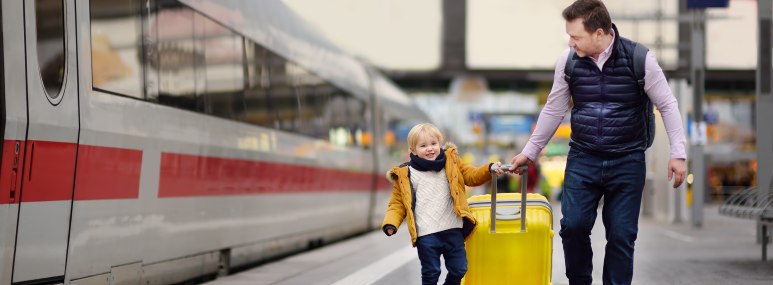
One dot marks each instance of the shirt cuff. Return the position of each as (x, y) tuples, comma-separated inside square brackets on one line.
[(531, 151)]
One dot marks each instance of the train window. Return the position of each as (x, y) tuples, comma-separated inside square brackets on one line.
[(313, 93), (256, 107), (346, 117), (282, 96), (177, 59), (49, 22), (222, 68), (184, 59), (116, 63)]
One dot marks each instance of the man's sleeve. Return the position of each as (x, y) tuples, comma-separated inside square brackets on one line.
[(656, 86), (552, 114)]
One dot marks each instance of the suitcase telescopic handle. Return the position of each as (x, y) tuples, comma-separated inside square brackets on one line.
[(524, 177)]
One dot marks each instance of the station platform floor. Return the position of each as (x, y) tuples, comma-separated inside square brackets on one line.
[(722, 251)]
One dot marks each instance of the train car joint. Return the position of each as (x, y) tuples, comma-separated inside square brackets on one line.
[(225, 262)]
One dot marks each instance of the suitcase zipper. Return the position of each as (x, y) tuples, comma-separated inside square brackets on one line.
[(532, 202)]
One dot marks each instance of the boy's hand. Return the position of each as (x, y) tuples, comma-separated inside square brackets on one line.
[(496, 168), (389, 230)]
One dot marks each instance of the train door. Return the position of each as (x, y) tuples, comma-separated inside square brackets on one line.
[(52, 135)]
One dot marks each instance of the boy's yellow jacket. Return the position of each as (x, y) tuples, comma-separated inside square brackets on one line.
[(459, 174)]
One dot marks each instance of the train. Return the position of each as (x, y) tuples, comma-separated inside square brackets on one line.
[(164, 141)]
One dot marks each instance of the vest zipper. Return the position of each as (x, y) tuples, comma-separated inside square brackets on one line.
[(603, 106)]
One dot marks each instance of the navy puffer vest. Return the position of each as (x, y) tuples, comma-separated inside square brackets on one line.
[(608, 113)]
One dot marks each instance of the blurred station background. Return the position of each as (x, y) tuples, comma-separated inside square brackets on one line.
[(181, 141)]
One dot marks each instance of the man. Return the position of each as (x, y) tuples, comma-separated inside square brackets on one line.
[(606, 156)]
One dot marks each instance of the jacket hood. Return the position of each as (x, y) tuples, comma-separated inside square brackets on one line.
[(391, 174)]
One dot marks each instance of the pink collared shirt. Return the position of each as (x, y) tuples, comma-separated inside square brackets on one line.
[(655, 84)]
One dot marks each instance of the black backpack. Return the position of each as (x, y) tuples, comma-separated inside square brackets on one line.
[(639, 57)]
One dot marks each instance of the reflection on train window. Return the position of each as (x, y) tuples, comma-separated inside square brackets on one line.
[(49, 22), (115, 43), (346, 116), (282, 98), (197, 62), (255, 110), (177, 59), (313, 94), (220, 74)]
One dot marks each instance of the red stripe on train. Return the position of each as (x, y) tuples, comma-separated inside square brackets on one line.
[(114, 173), (48, 171), (103, 172), (189, 175), (107, 173)]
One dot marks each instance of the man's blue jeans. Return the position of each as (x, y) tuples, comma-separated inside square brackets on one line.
[(449, 243), (588, 178)]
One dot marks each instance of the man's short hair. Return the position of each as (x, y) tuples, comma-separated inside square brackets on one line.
[(420, 129), (593, 13)]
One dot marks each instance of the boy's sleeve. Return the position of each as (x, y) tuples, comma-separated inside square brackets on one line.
[(396, 210), (473, 176)]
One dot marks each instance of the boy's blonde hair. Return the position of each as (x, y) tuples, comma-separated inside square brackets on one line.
[(424, 128)]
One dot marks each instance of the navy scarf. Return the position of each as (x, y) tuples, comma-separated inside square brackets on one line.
[(421, 164)]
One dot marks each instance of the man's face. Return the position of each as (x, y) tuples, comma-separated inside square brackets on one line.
[(584, 43)]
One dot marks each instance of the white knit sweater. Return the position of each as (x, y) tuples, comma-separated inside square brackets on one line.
[(434, 207)]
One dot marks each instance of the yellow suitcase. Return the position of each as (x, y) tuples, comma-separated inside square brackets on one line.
[(508, 251)]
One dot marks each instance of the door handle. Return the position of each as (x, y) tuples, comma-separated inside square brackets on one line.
[(32, 155)]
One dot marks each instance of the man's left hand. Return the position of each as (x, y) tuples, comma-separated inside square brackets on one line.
[(677, 169)]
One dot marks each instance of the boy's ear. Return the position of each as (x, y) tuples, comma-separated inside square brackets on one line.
[(412, 151)]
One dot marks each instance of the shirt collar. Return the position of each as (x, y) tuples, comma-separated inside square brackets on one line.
[(608, 50)]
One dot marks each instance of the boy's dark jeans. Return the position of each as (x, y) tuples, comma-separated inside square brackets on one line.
[(450, 244), (620, 180)]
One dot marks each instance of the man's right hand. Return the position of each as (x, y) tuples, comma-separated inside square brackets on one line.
[(518, 161)]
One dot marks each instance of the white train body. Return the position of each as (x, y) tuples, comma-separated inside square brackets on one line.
[(124, 163)]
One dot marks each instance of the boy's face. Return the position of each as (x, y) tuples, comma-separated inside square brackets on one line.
[(427, 147)]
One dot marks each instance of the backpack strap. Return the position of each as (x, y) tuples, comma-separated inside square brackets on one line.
[(639, 58), (569, 67)]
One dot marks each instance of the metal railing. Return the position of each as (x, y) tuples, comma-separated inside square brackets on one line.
[(750, 204)]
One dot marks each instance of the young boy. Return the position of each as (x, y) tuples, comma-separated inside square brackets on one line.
[(429, 191)]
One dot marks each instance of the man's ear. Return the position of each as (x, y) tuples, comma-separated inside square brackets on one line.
[(599, 32)]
